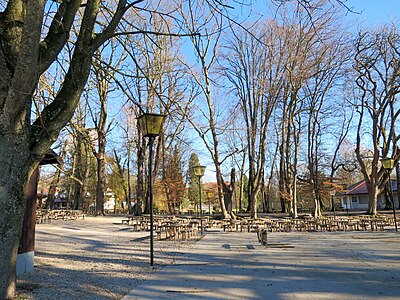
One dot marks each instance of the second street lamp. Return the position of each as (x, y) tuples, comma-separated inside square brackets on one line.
[(199, 172), (150, 125), (332, 193), (388, 164)]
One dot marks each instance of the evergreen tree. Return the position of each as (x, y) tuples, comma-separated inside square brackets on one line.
[(174, 181)]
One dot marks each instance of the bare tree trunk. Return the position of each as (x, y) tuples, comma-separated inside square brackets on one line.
[(101, 174), (294, 179), (398, 184), (220, 183), (228, 191), (13, 185), (241, 188), (283, 151), (373, 191), (271, 176), (125, 183)]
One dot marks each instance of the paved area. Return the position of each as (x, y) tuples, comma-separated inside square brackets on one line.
[(317, 265)]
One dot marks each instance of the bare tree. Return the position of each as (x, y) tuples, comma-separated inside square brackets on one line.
[(255, 68), (377, 68), (125, 157), (197, 18), (314, 62), (338, 160), (107, 60), (157, 85)]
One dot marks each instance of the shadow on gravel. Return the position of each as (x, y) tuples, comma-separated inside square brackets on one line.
[(279, 246), (141, 239)]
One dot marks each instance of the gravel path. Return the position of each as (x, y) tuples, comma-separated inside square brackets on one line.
[(96, 258)]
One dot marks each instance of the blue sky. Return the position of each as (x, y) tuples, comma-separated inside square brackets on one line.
[(374, 12)]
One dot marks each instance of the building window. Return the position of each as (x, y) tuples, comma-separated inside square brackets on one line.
[(353, 199)]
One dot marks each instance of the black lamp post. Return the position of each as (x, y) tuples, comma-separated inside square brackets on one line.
[(388, 164), (199, 172), (150, 126)]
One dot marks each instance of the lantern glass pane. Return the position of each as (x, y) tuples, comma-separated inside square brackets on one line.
[(387, 163), (150, 124), (199, 170)]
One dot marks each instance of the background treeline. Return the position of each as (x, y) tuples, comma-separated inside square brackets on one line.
[(284, 109)]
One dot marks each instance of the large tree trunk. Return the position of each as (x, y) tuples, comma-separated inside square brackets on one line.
[(398, 184), (101, 170), (282, 164), (125, 183), (228, 191), (82, 171), (373, 191), (282, 181), (82, 189), (253, 201), (23, 146), (221, 183), (15, 172), (101, 173), (241, 187)]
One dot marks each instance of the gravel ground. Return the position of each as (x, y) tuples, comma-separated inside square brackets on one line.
[(96, 258)]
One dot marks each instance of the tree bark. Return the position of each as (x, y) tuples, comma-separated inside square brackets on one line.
[(13, 196), (228, 191), (398, 184)]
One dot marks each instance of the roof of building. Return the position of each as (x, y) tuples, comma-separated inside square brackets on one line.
[(361, 188), (51, 158), (357, 188)]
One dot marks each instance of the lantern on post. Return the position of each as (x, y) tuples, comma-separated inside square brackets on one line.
[(332, 193), (150, 125), (199, 172), (388, 164)]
